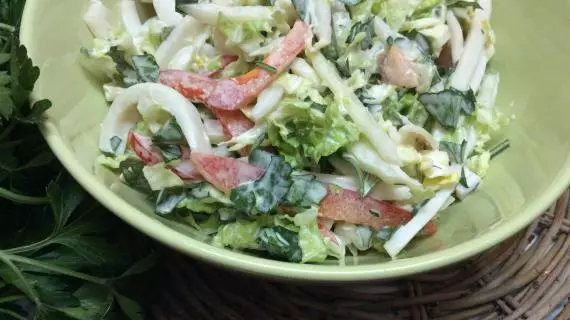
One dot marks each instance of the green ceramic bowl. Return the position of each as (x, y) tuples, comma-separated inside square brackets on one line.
[(532, 56)]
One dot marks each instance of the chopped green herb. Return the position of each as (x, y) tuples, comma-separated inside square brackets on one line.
[(132, 173), (265, 66), (143, 68), (146, 68), (305, 191), (448, 105), (280, 243), (374, 213), (170, 152), (169, 133), (168, 199), (500, 148), (463, 178), (263, 195), (453, 149), (362, 27), (115, 143), (166, 33)]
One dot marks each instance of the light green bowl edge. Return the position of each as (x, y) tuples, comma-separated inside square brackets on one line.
[(283, 270)]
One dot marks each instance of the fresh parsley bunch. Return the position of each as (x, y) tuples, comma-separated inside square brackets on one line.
[(61, 255)]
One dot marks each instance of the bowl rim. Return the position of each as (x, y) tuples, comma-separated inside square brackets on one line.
[(277, 269)]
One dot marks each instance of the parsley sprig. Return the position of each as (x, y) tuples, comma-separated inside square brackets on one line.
[(61, 255)]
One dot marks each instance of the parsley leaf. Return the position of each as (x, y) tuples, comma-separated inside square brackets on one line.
[(448, 105), (280, 243), (362, 31), (61, 254), (168, 139), (142, 68), (265, 194), (455, 151), (463, 178), (278, 185)]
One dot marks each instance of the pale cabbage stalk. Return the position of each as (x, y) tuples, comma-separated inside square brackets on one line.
[(406, 233), (456, 34), (208, 12), (319, 16), (182, 58), (473, 62), (130, 17), (473, 50), (98, 18), (267, 101), (303, 69), (166, 11), (479, 73), (372, 130), (368, 160), (488, 92), (127, 108), (183, 35)]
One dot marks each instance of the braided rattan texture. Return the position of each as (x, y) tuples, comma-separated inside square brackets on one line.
[(526, 277)]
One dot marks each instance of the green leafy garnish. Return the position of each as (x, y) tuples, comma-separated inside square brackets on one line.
[(62, 256), (447, 106), (143, 68), (280, 243)]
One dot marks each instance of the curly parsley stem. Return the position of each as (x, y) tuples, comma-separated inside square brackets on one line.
[(19, 198)]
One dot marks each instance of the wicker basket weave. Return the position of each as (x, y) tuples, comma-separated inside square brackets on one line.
[(525, 277)]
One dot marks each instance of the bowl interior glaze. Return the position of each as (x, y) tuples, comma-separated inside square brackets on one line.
[(532, 60)]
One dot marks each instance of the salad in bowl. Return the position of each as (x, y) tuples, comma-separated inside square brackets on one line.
[(303, 130)]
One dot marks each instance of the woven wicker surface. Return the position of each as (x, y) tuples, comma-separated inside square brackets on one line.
[(526, 277)]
